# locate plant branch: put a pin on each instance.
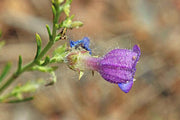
(41, 61)
(38, 58)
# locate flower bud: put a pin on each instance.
(78, 60)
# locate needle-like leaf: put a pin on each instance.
(5, 71)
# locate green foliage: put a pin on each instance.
(68, 23)
(44, 68)
(28, 87)
(39, 63)
(49, 31)
(57, 2)
(76, 24)
(39, 43)
(17, 93)
(0, 33)
(54, 10)
(19, 64)
(46, 61)
(66, 9)
(59, 54)
(5, 71)
(2, 43)
(19, 100)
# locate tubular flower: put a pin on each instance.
(118, 66)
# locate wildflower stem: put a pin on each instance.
(26, 67)
(16, 75)
(18, 101)
(38, 58)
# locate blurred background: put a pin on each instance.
(152, 24)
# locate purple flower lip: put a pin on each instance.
(119, 65)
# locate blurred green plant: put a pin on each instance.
(17, 93)
(41, 62)
(0, 33)
(2, 43)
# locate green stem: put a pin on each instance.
(18, 101)
(45, 50)
(15, 75)
(26, 67)
(55, 21)
(41, 55)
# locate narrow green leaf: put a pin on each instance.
(66, 23)
(66, 9)
(18, 96)
(38, 39)
(54, 10)
(57, 26)
(76, 24)
(39, 43)
(57, 37)
(30, 86)
(48, 30)
(72, 16)
(60, 1)
(19, 64)
(5, 71)
(57, 2)
(44, 68)
(20, 100)
(46, 61)
(18, 91)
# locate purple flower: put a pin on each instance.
(118, 66)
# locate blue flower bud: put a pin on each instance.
(84, 43)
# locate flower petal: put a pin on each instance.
(75, 43)
(84, 43)
(137, 50)
(126, 87)
(119, 65)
